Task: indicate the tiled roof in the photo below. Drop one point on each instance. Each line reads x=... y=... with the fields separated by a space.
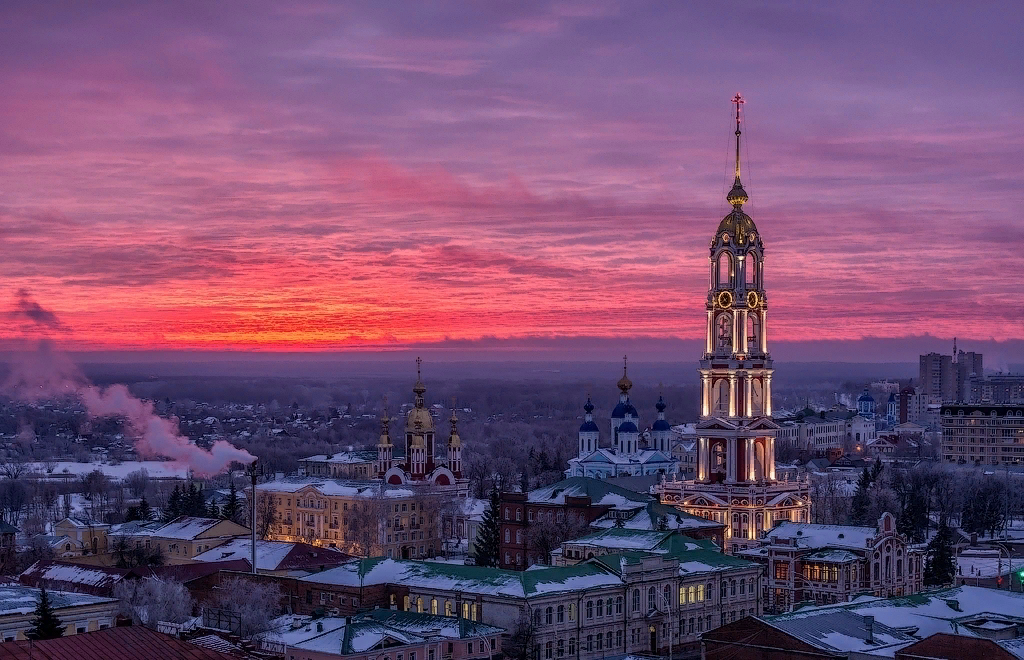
x=123 y=643
x=600 y=492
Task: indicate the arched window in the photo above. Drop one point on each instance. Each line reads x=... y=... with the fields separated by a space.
x=709 y=591
x=536 y=617
x=519 y=536
x=725 y=271
x=419 y=605
x=723 y=327
x=636 y=600
x=561 y=614
x=433 y=606
x=549 y=615
x=667 y=592
x=600 y=607
x=652 y=599
x=508 y=536
x=751 y=268
x=618 y=604
x=590 y=609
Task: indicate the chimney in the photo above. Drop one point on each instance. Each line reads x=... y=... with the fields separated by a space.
x=869 y=626
x=319 y=626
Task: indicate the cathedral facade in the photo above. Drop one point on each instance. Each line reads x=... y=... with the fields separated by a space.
x=734 y=482
x=631 y=453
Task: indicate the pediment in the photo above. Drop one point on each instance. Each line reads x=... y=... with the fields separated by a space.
x=717 y=423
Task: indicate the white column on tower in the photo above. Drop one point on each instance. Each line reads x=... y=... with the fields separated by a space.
x=730 y=461
x=764 y=330
x=732 y=395
x=768 y=394
x=705 y=393
x=750 y=461
x=710 y=342
x=735 y=332
x=748 y=386
x=743 y=332
x=769 y=458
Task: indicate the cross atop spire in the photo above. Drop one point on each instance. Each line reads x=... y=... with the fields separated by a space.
x=737 y=196
x=738 y=101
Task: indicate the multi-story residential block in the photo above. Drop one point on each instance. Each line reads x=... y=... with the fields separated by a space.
x=835 y=563
x=996 y=388
x=985 y=434
x=353 y=464
x=79 y=536
x=78 y=612
x=579 y=502
x=937 y=376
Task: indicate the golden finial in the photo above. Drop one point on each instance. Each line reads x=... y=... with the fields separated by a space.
x=419 y=388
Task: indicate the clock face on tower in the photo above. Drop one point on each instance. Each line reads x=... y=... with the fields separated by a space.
x=753 y=299
x=725 y=299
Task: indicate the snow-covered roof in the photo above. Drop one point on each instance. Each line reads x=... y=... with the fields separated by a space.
x=467 y=579
x=269 y=554
x=809 y=535
x=332 y=487
x=186 y=528
x=840 y=631
x=600 y=493
x=387 y=627
x=17 y=599
x=274 y=555
x=61 y=574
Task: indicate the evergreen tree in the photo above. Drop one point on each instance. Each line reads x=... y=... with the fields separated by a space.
x=145 y=512
x=876 y=469
x=940 y=561
x=488 y=537
x=232 y=507
x=45 y=625
x=861 y=500
x=213 y=511
x=174 y=505
x=131 y=514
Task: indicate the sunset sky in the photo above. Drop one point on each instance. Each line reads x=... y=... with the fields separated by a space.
x=329 y=175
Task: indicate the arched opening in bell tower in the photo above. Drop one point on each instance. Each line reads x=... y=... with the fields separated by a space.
x=720 y=399
x=753 y=331
x=723 y=332
x=717 y=461
x=751 y=270
x=725 y=271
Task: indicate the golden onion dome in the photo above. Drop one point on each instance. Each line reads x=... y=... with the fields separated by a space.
x=453 y=438
x=737 y=196
x=625 y=384
x=419 y=419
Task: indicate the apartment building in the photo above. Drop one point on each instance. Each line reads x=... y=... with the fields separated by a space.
x=984 y=434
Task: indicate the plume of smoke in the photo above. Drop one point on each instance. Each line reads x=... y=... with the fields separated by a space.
x=27 y=309
x=48 y=374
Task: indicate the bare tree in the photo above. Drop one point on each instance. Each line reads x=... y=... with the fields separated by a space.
x=137 y=482
x=367 y=521
x=545 y=535
x=256 y=603
x=149 y=601
x=13 y=468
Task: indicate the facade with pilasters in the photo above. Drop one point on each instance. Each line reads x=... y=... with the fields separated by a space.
x=735 y=478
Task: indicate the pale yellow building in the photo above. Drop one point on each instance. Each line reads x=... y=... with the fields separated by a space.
x=79 y=613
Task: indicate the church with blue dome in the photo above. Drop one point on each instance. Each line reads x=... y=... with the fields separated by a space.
x=630 y=453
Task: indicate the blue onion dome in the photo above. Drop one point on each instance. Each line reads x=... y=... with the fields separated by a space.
x=588 y=407
x=619 y=411
x=660 y=406
x=628 y=427
x=631 y=409
x=589 y=427
x=661 y=425
x=866 y=397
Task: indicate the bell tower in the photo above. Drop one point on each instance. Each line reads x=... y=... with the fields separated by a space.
x=735 y=476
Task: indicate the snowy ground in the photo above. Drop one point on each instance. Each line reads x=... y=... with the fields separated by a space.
x=156 y=469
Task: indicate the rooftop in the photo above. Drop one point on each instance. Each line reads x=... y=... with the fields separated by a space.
x=333 y=487
x=600 y=493
x=839 y=630
x=384 y=627
x=17 y=599
x=123 y=643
